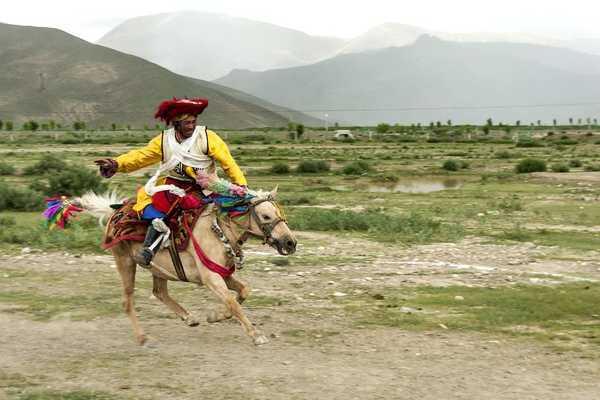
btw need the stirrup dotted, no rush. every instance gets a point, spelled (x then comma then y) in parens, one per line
(144, 257)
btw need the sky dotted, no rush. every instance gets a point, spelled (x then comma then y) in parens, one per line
(340, 18)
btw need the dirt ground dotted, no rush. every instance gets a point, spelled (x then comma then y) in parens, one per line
(314, 352)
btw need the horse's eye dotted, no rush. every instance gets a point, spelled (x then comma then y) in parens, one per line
(266, 217)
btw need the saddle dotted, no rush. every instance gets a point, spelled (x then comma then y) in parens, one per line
(126, 224)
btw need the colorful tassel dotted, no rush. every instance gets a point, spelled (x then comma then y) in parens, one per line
(59, 211)
(222, 186)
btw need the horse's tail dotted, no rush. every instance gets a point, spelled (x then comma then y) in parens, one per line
(98, 205)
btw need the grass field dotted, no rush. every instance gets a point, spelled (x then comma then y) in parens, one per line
(399, 233)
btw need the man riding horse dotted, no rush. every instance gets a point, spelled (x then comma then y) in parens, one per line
(184, 149)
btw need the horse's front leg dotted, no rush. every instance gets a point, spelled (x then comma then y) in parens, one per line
(222, 313)
(216, 283)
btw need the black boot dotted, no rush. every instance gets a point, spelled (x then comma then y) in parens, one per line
(145, 255)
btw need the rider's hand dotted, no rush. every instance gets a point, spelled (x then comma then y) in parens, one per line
(108, 167)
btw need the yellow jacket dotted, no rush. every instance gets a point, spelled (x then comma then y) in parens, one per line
(152, 154)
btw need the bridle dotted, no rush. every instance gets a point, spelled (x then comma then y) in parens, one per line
(266, 228)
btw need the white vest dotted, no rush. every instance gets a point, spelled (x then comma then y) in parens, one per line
(192, 152)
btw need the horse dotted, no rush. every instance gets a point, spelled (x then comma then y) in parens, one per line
(264, 220)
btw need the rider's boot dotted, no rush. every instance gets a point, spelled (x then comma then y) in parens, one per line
(145, 255)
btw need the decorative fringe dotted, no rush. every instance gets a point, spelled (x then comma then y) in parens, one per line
(228, 196)
(59, 211)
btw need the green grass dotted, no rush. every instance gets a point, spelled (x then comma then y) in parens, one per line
(566, 312)
(582, 241)
(29, 229)
(70, 395)
(413, 228)
(42, 307)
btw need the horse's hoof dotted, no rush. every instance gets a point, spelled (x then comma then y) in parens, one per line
(259, 340)
(192, 321)
(142, 339)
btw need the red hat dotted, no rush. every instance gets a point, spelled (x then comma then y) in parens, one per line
(169, 110)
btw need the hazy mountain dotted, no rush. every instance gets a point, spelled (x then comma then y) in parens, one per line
(417, 83)
(398, 35)
(208, 46)
(49, 74)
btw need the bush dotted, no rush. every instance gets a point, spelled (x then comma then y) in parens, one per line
(73, 181)
(357, 168)
(592, 168)
(560, 167)
(12, 198)
(454, 165)
(48, 164)
(530, 165)
(312, 166)
(6, 169)
(575, 163)
(451, 165)
(280, 168)
(530, 143)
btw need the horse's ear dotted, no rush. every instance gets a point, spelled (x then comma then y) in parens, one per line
(273, 192)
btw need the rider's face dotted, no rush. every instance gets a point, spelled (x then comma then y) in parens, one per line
(186, 126)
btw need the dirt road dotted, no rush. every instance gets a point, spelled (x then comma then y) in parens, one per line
(316, 350)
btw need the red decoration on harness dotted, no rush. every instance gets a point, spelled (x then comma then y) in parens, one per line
(208, 263)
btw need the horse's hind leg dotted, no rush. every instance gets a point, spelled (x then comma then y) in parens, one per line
(221, 312)
(161, 292)
(215, 283)
(126, 267)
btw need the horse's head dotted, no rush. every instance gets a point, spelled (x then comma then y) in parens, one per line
(268, 221)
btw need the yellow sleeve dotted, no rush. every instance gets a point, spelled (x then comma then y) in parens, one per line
(218, 150)
(140, 158)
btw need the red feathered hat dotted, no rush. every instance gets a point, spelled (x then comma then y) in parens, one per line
(169, 110)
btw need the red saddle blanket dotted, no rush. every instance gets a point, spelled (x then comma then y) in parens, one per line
(125, 224)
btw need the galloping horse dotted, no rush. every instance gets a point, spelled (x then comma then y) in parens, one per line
(264, 220)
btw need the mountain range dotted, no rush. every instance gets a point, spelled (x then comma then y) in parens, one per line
(436, 79)
(209, 46)
(49, 74)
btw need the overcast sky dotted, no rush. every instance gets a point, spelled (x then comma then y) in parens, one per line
(91, 19)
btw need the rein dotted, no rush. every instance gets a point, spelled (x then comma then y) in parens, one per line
(234, 252)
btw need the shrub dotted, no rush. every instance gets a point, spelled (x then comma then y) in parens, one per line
(75, 181)
(72, 181)
(312, 166)
(6, 169)
(530, 165)
(560, 167)
(454, 165)
(48, 164)
(280, 168)
(12, 198)
(592, 168)
(357, 168)
(575, 163)
(451, 165)
(530, 143)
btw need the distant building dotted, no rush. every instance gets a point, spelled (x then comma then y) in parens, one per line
(343, 134)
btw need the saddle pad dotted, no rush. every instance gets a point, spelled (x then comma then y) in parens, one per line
(125, 224)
